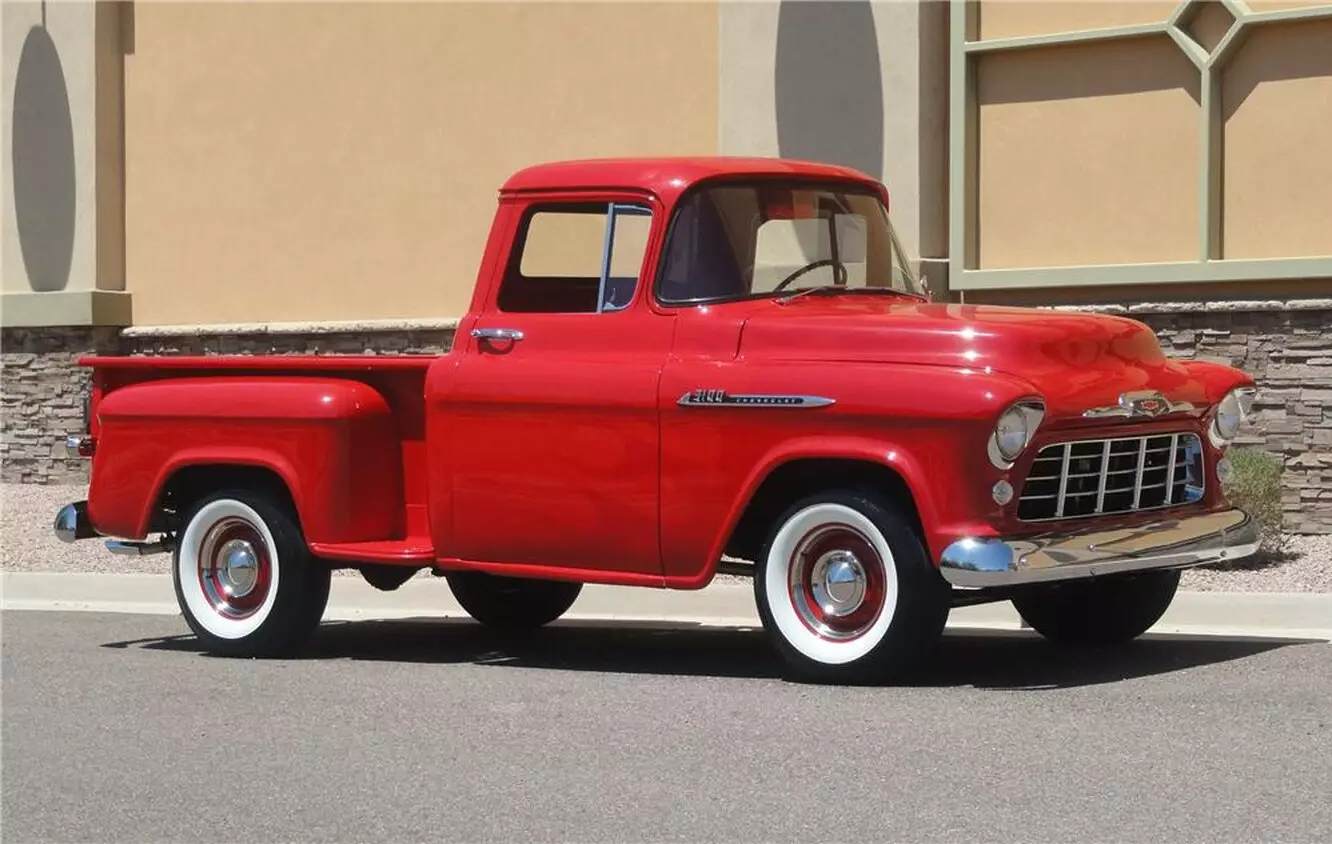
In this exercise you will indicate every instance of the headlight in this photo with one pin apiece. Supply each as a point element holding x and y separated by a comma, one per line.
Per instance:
<point>1230,414</point>
<point>1013,432</point>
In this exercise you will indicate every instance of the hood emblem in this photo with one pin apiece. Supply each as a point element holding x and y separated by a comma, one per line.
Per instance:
<point>1144,403</point>
<point>721,398</point>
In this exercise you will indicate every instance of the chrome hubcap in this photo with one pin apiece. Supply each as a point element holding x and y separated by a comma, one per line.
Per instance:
<point>238,568</point>
<point>838,583</point>
<point>235,571</point>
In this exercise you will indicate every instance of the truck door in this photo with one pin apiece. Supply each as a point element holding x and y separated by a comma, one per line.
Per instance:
<point>551,414</point>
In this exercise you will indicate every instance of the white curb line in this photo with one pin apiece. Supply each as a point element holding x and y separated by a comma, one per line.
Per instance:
<point>1243,614</point>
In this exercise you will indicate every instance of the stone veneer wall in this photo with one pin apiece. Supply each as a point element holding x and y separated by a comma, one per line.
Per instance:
<point>1287,346</point>
<point>41,399</point>
<point>41,394</point>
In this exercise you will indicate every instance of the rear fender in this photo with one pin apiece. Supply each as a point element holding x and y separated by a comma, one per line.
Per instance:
<point>332,442</point>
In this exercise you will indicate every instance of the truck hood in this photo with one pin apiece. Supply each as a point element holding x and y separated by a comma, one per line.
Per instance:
<point>1075,360</point>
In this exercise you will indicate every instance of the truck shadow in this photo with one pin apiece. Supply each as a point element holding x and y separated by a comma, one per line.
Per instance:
<point>1012,660</point>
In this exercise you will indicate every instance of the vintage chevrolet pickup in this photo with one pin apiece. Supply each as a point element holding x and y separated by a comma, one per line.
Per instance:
<point>672,368</point>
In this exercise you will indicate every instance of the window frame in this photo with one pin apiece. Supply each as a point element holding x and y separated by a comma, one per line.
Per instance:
<point>610,209</point>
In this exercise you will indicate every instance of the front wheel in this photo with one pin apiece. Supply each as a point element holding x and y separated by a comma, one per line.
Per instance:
<point>846,590</point>
<point>244,579</point>
<point>1099,611</point>
<point>512,602</point>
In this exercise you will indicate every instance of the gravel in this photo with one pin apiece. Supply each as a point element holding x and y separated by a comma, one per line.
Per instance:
<point>27,511</point>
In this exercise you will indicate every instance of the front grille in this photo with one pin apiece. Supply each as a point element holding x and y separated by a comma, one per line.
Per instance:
<point>1102,477</point>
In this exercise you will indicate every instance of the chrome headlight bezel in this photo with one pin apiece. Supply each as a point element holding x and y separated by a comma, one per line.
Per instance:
<point>1229,415</point>
<point>1014,430</point>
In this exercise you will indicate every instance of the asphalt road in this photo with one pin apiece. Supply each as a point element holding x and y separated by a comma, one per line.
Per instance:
<point>116,729</point>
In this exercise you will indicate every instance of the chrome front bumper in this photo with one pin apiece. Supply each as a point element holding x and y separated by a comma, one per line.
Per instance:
<point>1167,543</point>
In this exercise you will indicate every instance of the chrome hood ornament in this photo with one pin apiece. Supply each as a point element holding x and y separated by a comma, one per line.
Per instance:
<point>1143,403</point>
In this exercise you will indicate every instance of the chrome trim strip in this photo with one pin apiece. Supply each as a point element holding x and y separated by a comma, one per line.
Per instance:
<point>1137,478</point>
<point>1169,543</point>
<point>1105,470</point>
<point>1170,470</point>
<point>721,398</point>
<point>1063,481</point>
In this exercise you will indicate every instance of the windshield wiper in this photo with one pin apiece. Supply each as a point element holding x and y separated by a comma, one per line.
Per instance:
<point>839,289</point>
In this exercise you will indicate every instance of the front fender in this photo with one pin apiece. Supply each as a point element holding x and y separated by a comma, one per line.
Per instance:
<point>332,441</point>
<point>914,464</point>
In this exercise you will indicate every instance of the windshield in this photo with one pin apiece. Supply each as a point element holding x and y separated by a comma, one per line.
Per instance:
<point>731,241</point>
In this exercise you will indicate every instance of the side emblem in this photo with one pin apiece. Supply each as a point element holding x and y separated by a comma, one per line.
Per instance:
<point>1148,403</point>
<point>721,398</point>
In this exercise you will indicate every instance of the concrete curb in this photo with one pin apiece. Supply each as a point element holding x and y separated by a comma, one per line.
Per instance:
<point>1250,614</point>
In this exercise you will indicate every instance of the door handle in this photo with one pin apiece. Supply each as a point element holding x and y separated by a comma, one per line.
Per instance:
<point>512,334</point>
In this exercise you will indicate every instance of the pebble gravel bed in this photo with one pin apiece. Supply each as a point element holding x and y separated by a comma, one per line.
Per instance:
<point>27,511</point>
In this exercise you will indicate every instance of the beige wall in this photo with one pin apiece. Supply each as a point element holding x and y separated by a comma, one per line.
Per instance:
<point>331,161</point>
<point>1095,152</point>
<point>1088,155</point>
<point>1277,112</point>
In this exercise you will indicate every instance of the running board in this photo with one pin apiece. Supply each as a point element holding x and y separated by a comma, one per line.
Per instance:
<point>412,551</point>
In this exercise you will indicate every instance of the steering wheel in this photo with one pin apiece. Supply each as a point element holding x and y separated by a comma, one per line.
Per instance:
<point>839,273</point>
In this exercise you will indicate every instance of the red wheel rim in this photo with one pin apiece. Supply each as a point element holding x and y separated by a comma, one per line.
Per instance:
<point>235,570</point>
<point>837,582</point>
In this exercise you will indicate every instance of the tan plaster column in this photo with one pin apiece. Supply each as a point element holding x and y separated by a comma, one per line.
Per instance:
<point>62,230</point>
<point>861,83</point>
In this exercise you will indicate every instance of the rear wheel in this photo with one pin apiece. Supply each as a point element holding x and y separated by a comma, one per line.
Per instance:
<point>846,590</point>
<point>1099,611</point>
<point>512,602</point>
<point>244,580</point>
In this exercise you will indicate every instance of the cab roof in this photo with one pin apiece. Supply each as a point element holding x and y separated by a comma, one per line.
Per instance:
<point>665,176</point>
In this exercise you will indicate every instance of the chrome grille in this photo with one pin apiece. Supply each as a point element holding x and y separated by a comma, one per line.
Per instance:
<point>1123,475</point>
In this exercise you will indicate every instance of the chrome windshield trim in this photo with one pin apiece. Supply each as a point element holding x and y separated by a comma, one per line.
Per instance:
<point>1166,543</point>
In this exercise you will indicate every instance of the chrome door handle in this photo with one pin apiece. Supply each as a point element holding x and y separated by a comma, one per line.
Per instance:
<point>497,334</point>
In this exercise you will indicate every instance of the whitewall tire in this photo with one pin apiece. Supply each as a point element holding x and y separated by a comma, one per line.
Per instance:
<point>846,591</point>
<point>244,580</point>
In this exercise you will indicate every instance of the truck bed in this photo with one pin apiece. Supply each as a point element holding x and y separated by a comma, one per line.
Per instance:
<point>398,379</point>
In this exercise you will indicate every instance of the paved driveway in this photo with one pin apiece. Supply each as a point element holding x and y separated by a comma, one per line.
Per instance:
<point>116,729</point>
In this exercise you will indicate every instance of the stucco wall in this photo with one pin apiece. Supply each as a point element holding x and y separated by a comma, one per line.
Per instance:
<point>313,161</point>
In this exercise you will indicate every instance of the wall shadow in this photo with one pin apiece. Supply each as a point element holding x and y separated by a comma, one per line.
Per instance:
<point>1273,54</point>
<point>1079,71</point>
<point>42,162</point>
<point>829,84</point>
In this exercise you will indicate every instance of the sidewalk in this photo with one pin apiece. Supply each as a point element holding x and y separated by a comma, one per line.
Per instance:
<point>1262,614</point>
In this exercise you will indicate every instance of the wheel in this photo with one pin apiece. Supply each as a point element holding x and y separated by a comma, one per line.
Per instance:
<point>846,590</point>
<point>244,579</point>
<point>512,602</point>
<point>1099,611</point>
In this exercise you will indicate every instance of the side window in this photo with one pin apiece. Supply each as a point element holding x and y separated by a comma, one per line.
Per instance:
<point>576,258</point>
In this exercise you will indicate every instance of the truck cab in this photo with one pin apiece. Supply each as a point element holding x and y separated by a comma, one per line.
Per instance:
<point>671,368</point>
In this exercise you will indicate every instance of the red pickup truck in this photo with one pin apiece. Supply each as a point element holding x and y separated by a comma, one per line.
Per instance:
<point>672,368</point>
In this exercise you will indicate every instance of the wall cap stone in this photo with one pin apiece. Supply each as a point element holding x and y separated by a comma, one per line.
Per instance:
<point>262,328</point>
<point>1224,306</point>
